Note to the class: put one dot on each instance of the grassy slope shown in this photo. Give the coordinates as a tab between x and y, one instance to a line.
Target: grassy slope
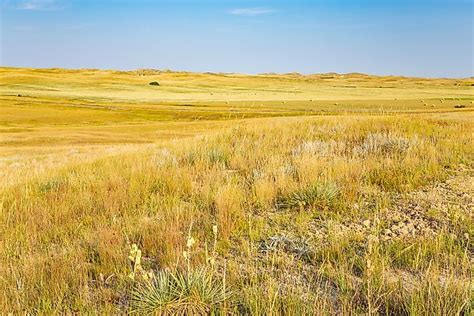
93	161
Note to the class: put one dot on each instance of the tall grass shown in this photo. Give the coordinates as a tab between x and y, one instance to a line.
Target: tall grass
64	234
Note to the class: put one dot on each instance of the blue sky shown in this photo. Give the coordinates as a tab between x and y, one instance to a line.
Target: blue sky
404	37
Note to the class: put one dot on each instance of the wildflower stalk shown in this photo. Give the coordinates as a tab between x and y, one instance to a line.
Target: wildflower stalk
189	244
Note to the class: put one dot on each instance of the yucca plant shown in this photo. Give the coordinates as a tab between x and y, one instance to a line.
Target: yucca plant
154	296
192	292
196	292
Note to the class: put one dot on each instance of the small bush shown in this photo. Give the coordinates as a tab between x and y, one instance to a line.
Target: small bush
154	83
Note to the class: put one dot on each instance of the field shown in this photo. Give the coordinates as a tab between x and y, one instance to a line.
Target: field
235	194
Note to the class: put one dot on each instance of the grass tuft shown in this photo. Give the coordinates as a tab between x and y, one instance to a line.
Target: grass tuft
316	196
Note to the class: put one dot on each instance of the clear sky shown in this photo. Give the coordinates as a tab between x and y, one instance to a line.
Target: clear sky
404	37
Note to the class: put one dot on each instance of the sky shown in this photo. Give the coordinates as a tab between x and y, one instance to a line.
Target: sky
429	38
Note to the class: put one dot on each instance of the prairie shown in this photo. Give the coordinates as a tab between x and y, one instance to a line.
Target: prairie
235	194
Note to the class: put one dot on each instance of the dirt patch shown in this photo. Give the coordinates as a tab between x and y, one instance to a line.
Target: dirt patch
425	212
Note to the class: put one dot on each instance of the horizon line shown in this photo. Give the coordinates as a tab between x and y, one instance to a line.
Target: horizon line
268	73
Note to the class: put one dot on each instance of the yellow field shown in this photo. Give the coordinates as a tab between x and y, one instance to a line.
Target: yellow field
331	193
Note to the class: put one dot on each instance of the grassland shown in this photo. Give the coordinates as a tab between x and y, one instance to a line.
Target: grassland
331	194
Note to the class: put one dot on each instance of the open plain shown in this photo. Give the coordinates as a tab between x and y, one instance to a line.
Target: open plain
227	193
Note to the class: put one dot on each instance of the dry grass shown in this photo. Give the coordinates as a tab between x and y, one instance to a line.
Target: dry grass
302	202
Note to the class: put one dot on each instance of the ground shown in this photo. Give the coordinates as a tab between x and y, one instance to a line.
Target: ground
330	194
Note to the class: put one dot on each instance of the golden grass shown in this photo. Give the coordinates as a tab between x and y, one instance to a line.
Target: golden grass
302	191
